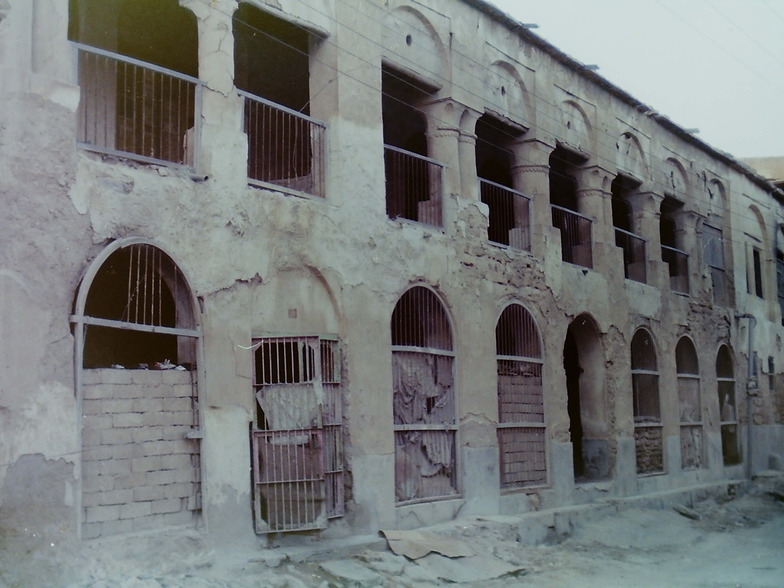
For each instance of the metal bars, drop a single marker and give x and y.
(690, 405)
(510, 217)
(576, 236)
(286, 149)
(423, 399)
(634, 260)
(136, 109)
(413, 186)
(647, 408)
(297, 443)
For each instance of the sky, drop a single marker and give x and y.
(712, 65)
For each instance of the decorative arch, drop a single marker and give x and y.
(137, 351)
(584, 367)
(576, 128)
(510, 95)
(423, 397)
(411, 41)
(648, 434)
(631, 158)
(676, 179)
(690, 404)
(521, 422)
(728, 407)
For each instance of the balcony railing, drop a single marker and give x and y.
(633, 255)
(413, 186)
(285, 148)
(576, 230)
(138, 110)
(678, 262)
(510, 216)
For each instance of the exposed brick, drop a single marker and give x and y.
(175, 432)
(147, 404)
(122, 451)
(97, 483)
(178, 404)
(130, 419)
(126, 391)
(130, 480)
(91, 469)
(91, 438)
(98, 514)
(97, 453)
(166, 506)
(147, 434)
(113, 467)
(164, 477)
(147, 378)
(146, 493)
(117, 527)
(116, 436)
(135, 509)
(179, 490)
(117, 405)
(147, 464)
(176, 462)
(92, 530)
(92, 406)
(115, 497)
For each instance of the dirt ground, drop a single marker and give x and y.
(733, 542)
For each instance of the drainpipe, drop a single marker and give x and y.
(752, 387)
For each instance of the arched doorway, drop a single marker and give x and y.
(137, 342)
(583, 360)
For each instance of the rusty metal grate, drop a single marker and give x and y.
(297, 442)
(521, 424)
(413, 186)
(425, 425)
(510, 216)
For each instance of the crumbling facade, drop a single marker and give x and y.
(330, 267)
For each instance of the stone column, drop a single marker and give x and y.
(531, 176)
(686, 222)
(469, 181)
(443, 140)
(594, 201)
(646, 221)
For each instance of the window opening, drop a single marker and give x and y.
(689, 402)
(272, 72)
(521, 425)
(713, 256)
(754, 271)
(672, 251)
(413, 180)
(425, 425)
(730, 433)
(297, 438)
(510, 221)
(632, 245)
(780, 269)
(647, 410)
(576, 229)
(137, 68)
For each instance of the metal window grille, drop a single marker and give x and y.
(678, 263)
(634, 262)
(413, 186)
(690, 405)
(521, 424)
(135, 109)
(286, 149)
(730, 426)
(510, 216)
(425, 425)
(646, 406)
(576, 235)
(297, 442)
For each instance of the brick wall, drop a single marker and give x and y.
(138, 469)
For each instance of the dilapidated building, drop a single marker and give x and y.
(335, 266)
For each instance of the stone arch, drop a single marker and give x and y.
(510, 95)
(646, 401)
(135, 299)
(423, 397)
(576, 128)
(584, 365)
(716, 194)
(631, 158)
(690, 409)
(411, 40)
(726, 390)
(676, 179)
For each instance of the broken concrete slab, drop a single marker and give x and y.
(417, 544)
(351, 573)
(476, 568)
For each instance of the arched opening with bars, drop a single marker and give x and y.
(425, 425)
(728, 408)
(137, 343)
(690, 405)
(521, 424)
(648, 437)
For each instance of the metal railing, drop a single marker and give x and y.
(414, 185)
(633, 255)
(510, 216)
(286, 149)
(678, 262)
(138, 110)
(576, 235)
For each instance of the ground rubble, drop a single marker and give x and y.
(618, 544)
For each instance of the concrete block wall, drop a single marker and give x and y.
(139, 470)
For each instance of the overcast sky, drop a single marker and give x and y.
(713, 65)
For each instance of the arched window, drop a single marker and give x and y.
(134, 314)
(521, 425)
(423, 398)
(647, 409)
(728, 410)
(692, 453)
